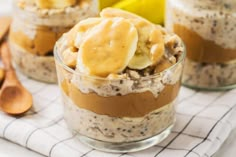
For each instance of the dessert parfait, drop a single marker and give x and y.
(208, 28)
(120, 76)
(37, 25)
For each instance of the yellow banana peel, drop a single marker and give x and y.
(153, 10)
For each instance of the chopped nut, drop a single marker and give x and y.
(172, 43)
(133, 74)
(117, 76)
(173, 60)
(164, 64)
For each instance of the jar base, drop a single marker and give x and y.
(126, 146)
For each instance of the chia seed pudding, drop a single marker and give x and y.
(208, 28)
(119, 109)
(36, 26)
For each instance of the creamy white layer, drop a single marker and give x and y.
(117, 129)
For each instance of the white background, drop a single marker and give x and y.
(8, 149)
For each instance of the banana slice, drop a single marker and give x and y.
(150, 47)
(56, 4)
(139, 61)
(84, 28)
(76, 34)
(150, 43)
(69, 57)
(108, 47)
(156, 40)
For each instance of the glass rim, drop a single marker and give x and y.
(59, 60)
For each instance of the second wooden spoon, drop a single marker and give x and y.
(14, 98)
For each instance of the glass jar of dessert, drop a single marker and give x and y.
(119, 90)
(37, 25)
(208, 28)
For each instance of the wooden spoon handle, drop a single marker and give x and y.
(10, 78)
(6, 56)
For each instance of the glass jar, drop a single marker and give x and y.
(35, 30)
(208, 29)
(117, 114)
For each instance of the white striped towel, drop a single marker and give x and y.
(204, 121)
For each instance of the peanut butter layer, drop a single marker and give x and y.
(42, 43)
(130, 105)
(201, 50)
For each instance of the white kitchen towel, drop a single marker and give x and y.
(204, 121)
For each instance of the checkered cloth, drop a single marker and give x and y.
(204, 121)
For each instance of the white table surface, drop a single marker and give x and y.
(8, 149)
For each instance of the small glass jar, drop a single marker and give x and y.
(208, 29)
(34, 32)
(117, 114)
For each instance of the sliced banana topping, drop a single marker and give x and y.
(150, 48)
(76, 34)
(84, 28)
(139, 61)
(54, 4)
(157, 45)
(107, 47)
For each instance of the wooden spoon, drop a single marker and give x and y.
(14, 98)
